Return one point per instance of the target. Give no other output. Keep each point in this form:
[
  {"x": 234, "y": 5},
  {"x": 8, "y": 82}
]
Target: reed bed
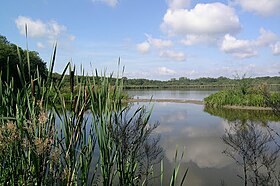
[
  {"x": 257, "y": 96},
  {"x": 87, "y": 138}
]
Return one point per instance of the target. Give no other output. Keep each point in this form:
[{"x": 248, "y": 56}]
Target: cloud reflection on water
[{"x": 187, "y": 125}]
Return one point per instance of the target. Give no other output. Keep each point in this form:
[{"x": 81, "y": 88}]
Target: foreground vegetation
[{"x": 92, "y": 138}]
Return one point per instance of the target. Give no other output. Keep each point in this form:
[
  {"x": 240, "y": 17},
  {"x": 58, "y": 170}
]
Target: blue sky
[{"x": 155, "y": 39}]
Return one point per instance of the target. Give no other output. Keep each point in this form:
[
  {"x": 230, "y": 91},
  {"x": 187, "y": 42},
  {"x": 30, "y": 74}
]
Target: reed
[{"x": 90, "y": 138}]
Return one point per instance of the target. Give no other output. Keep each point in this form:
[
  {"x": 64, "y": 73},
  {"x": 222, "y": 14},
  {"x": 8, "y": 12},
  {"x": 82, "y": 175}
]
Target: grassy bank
[{"x": 256, "y": 96}]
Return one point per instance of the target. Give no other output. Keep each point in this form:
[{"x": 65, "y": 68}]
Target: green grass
[{"x": 253, "y": 97}]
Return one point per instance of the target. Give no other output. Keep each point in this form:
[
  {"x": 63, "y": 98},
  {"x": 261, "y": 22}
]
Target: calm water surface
[
  {"x": 171, "y": 94},
  {"x": 189, "y": 126}
]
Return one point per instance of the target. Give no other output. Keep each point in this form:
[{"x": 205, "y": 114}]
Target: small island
[{"x": 244, "y": 95}]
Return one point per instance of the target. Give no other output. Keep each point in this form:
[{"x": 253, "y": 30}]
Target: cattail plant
[{"x": 90, "y": 137}]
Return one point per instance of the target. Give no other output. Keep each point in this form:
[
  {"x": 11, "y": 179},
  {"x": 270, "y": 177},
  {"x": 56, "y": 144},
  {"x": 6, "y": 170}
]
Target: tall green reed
[{"x": 88, "y": 138}]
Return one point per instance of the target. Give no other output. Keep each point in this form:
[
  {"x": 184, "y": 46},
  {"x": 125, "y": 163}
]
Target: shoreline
[
  {"x": 197, "y": 102},
  {"x": 246, "y": 107}
]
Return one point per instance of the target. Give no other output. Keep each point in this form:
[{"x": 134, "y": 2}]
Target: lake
[
  {"x": 192, "y": 127},
  {"x": 191, "y": 94}
]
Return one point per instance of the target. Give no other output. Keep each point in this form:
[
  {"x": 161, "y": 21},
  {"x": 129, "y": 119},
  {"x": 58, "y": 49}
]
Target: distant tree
[
  {"x": 36, "y": 62},
  {"x": 9, "y": 62},
  {"x": 183, "y": 78},
  {"x": 4, "y": 40}
]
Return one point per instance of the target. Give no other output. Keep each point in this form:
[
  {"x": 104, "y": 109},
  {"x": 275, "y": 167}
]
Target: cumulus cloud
[
  {"x": 261, "y": 7},
  {"x": 177, "y": 56},
  {"x": 248, "y": 48},
  {"x": 266, "y": 38},
  {"x": 143, "y": 47},
  {"x": 198, "y": 39},
  {"x": 108, "y": 2},
  {"x": 39, "y": 29},
  {"x": 178, "y": 4},
  {"x": 159, "y": 43},
  {"x": 165, "y": 71},
  {"x": 276, "y": 48},
  {"x": 238, "y": 48},
  {"x": 35, "y": 28},
  {"x": 203, "y": 19}
]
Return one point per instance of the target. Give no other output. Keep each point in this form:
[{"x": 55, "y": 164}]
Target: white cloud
[
  {"x": 257, "y": 70},
  {"x": 270, "y": 68},
  {"x": 72, "y": 37},
  {"x": 248, "y": 48},
  {"x": 40, "y": 45},
  {"x": 174, "y": 116},
  {"x": 261, "y": 7},
  {"x": 39, "y": 29},
  {"x": 165, "y": 71},
  {"x": 35, "y": 28},
  {"x": 178, "y": 56},
  {"x": 158, "y": 43},
  {"x": 203, "y": 19},
  {"x": 238, "y": 48},
  {"x": 197, "y": 39},
  {"x": 143, "y": 47},
  {"x": 276, "y": 48},
  {"x": 266, "y": 38},
  {"x": 108, "y": 2},
  {"x": 178, "y": 4}
]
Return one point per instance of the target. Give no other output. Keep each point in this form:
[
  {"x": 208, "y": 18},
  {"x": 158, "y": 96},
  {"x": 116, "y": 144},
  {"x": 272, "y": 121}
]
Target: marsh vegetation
[
  {"x": 71, "y": 129},
  {"x": 88, "y": 138}
]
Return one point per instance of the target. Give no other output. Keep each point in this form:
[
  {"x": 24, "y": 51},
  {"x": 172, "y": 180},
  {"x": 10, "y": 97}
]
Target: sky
[{"x": 154, "y": 39}]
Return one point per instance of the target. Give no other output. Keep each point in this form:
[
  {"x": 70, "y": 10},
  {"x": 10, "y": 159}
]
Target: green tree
[{"x": 9, "y": 62}]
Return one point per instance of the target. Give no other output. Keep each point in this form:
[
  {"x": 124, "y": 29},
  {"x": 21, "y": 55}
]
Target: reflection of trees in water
[
  {"x": 232, "y": 115},
  {"x": 256, "y": 149},
  {"x": 135, "y": 145}
]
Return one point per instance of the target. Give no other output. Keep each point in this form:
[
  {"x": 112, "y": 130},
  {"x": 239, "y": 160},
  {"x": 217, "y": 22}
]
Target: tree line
[
  {"x": 203, "y": 81},
  {"x": 11, "y": 55}
]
